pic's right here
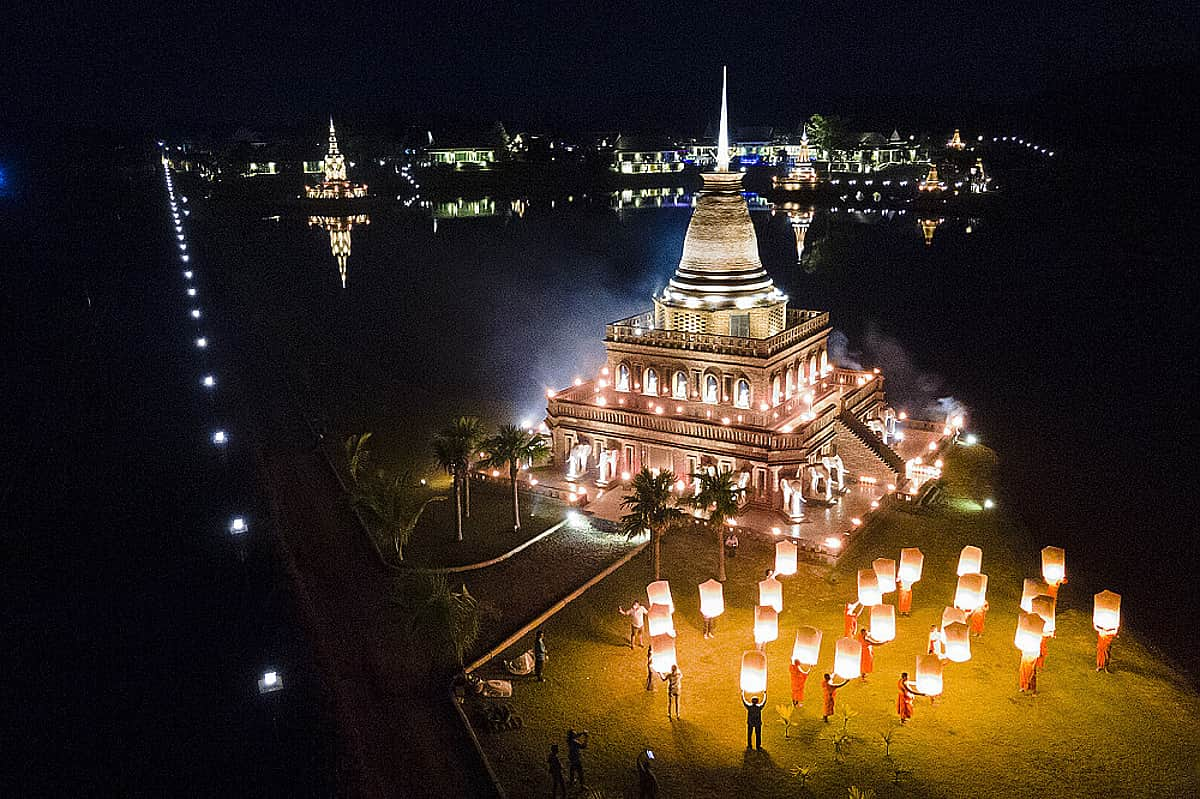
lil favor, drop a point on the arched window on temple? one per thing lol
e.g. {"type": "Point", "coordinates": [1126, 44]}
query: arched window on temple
{"type": "Point", "coordinates": [650, 382]}
{"type": "Point", "coordinates": [679, 385]}
{"type": "Point", "coordinates": [824, 361]}
{"type": "Point", "coordinates": [711, 389]}
{"type": "Point", "coordinates": [741, 393]}
{"type": "Point", "coordinates": [776, 391]}
{"type": "Point", "coordinates": [622, 378]}
{"type": "Point", "coordinates": [789, 385]}
{"type": "Point", "coordinates": [813, 372]}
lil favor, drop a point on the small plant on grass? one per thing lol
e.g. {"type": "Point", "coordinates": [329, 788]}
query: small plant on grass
{"type": "Point", "coordinates": [840, 736]}
{"type": "Point", "coordinates": [786, 718]}
{"type": "Point", "coordinates": [802, 773]}
{"type": "Point", "coordinates": [357, 455]}
{"type": "Point", "coordinates": [861, 793]}
{"type": "Point", "coordinates": [887, 741]}
{"type": "Point", "coordinates": [897, 772]}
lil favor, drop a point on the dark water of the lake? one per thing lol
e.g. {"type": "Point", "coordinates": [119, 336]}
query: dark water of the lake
{"type": "Point", "coordinates": [1057, 319]}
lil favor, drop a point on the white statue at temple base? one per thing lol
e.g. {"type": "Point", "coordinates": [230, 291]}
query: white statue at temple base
{"type": "Point", "coordinates": [793, 498]}
{"type": "Point", "coordinates": [837, 472]}
{"type": "Point", "coordinates": [817, 484]}
{"type": "Point", "coordinates": [577, 461]}
{"type": "Point", "coordinates": [608, 467]}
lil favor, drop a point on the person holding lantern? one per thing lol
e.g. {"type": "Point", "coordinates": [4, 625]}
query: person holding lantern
{"type": "Point", "coordinates": [866, 653]}
{"type": "Point", "coordinates": [1027, 677]}
{"type": "Point", "coordinates": [850, 620]}
{"type": "Point", "coordinates": [906, 690]}
{"type": "Point", "coordinates": [1104, 642]}
{"type": "Point", "coordinates": [903, 599]}
{"type": "Point", "coordinates": [977, 618]}
{"type": "Point", "coordinates": [1041, 658]}
{"type": "Point", "coordinates": [799, 678]}
{"type": "Point", "coordinates": [673, 680]}
{"type": "Point", "coordinates": [754, 720]}
{"type": "Point", "coordinates": [937, 642]}
{"type": "Point", "coordinates": [829, 689]}
{"type": "Point", "coordinates": [637, 622]}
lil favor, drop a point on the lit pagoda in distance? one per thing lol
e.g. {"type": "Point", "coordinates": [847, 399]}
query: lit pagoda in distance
{"type": "Point", "coordinates": [336, 185]}
{"type": "Point", "coordinates": [956, 142]}
{"type": "Point", "coordinates": [931, 182]}
{"type": "Point", "coordinates": [803, 175]}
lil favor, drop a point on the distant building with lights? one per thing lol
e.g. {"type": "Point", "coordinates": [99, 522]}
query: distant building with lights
{"type": "Point", "coordinates": [932, 183]}
{"type": "Point", "coordinates": [956, 142]}
{"type": "Point", "coordinates": [462, 158]}
{"type": "Point", "coordinates": [801, 176]}
{"type": "Point", "coordinates": [722, 374]}
{"type": "Point", "coordinates": [336, 185]}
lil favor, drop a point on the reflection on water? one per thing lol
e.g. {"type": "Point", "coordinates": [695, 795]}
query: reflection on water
{"type": "Point", "coordinates": [929, 225]}
{"type": "Point", "coordinates": [800, 220]}
{"type": "Point", "coordinates": [339, 228]}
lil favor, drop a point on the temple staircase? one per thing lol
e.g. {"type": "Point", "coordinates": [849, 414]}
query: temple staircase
{"type": "Point", "coordinates": [885, 455]}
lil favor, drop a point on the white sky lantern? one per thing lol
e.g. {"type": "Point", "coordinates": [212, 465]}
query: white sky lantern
{"type": "Point", "coordinates": [1043, 606]}
{"type": "Point", "coordinates": [660, 621]}
{"type": "Point", "coordinates": [970, 592]}
{"type": "Point", "coordinates": [912, 562]}
{"type": "Point", "coordinates": [1029, 589]}
{"type": "Point", "coordinates": [885, 573]}
{"type": "Point", "coordinates": [1054, 565]}
{"type": "Point", "coordinates": [1106, 610]}
{"type": "Point", "coordinates": [770, 592]}
{"type": "Point", "coordinates": [712, 599]}
{"type": "Point", "coordinates": [1029, 633]}
{"type": "Point", "coordinates": [766, 624]}
{"type": "Point", "coordinates": [953, 616]}
{"type": "Point", "coordinates": [785, 558]}
{"type": "Point", "coordinates": [883, 623]}
{"type": "Point", "coordinates": [868, 588]}
{"type": "Point", "coordinates": [929, 675]}
{"type": "Point", "coordinates": [754, 672]}
{"type": "Point", "coordinates": [662, 648]}
{"type": "Point", "coordinates": [958, 642]}
{"type": "Point", "coordinates": [970, 561]}
{"type": "Point", "coordinates": [847, 658]}
{"type": "Point", "coordinates": [660, 594]}
{"type": "Point", "coordinates": [807, 648]}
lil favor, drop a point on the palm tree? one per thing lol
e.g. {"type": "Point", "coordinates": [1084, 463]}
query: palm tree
{"type": "Point", "coordinates": [720, 496]}
{"type": "Point", "coordinates": [471, 431]}
{"type": "Point", "coordinates": [396, 506]}
{"type": "Point", "coordinates": [652, 507]}
{"type": "Point", "coordinates": [357, 455]}
{"type": "Point", "coordinates": [445, 620]}
{"type": "Point", "coordinates": [453, 454]}
{"type": "Point", "coordinates": [509, 447]}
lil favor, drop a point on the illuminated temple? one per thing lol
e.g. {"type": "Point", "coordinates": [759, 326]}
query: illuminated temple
{"type": "Point", "coordinates": [803, 175]}
{"type": "Point", "coordinates": [336, 185]}
{"type": "Point", "coordinates": [722, 374]}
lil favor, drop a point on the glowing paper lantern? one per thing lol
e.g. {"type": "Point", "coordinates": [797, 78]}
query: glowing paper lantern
{"type": "Point", "coordinates": [766, 624]}
{"type": "Point", "coordinates": [1029, 589]}
{"type": "Point", "coordinates": [868, 588]}
{"type": "Point", "coordinates": [808, 646]}
{"type": "Point", "coordinates": [1029, 633]}
{"type": "Point", "coordinates": [785, 558]}
{"type": "Point", "coordinates": [754, 672]}
{"type": "Point", "coordinates": [971, 591]}
{"type": "Point", "coordinates": [1054, 565]}
{"type": "Point", "coordinates": [883, 623]}
{"type": "Point", "coordinates": [847, 658]}
{"type": "Point", "coordinates": [958, 642]}
{"type": "Point", "coordinates": [712, 599]}
{"type": "Point", "coordinates": [660, 621]}
{"type": "Point", "coordinates": [662, 649]}
{"type": "Point", "coordinates": [1043, 607]}
{"type": "Point", "coordinates": [953, 616]}
{"type": "Point", "coordinates": [885, 574]}
{"type": "Point", "coordinates": [770, 592]}
{"type": "Point", "coordinates": [970, 561]}
{"type": "Point", "coordinates": [929, 675]}
{"type": "Point", "coordinates": [660, 594]}
{"type": "Point", "coordinates": [1106, 610]}
{"type": "Point", "coordinates": [912, 562]}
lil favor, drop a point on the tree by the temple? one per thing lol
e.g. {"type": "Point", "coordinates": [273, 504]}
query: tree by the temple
{"type": "Point", "coordinates": [719, 496]}
{"type": "Point", "coordinates": [510, 447]}
{"type": "Point", "coordinates": [828, 132]}
{"type": "Point", "coordinates": [395, 505]}
{"type": "Point", "coordinates": [453, 455]}
{"type": "Point", "coordinates": [652, 506]}
{"type": "Point", "coordinates": [470, 431]}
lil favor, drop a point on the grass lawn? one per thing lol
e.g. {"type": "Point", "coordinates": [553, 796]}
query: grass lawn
{"type": "Point", "coordinates": [1129, 733]}
{"type": "Point", "coordinates": [486, 534]}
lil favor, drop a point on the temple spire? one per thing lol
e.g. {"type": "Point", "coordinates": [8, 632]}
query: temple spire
{"type": "Point", "coordinates": [723, 136]}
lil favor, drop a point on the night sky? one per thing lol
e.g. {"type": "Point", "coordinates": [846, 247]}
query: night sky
{"type": "Point", "coordinates": [592, 65]}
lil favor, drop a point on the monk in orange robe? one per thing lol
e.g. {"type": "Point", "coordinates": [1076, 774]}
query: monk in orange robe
{"type": "Point", "coordinates": [904, 698]}
{"type": "Point", "coordinates": [1041, 658]}
{"type": "Point", "coordinates": [1104, 642]}
{"type": "Point", "coordinates": [1027, 679]}
{"type": "Point", "coordinates": [829, 690]}
{"type": "Point", "coordinates": [977, 618]}
{"type": "Point", "coordinates": [799, 678]}
{"type": "Point", "coordinates": [850, 621]}
{"type": "Point", "coordinates": [903, 599]}
{"type": "Point", "coordinates": [866, 658]}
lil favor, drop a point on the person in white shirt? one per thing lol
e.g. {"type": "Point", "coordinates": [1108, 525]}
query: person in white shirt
{"type": "Point", "coordinates": [637, 623]}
